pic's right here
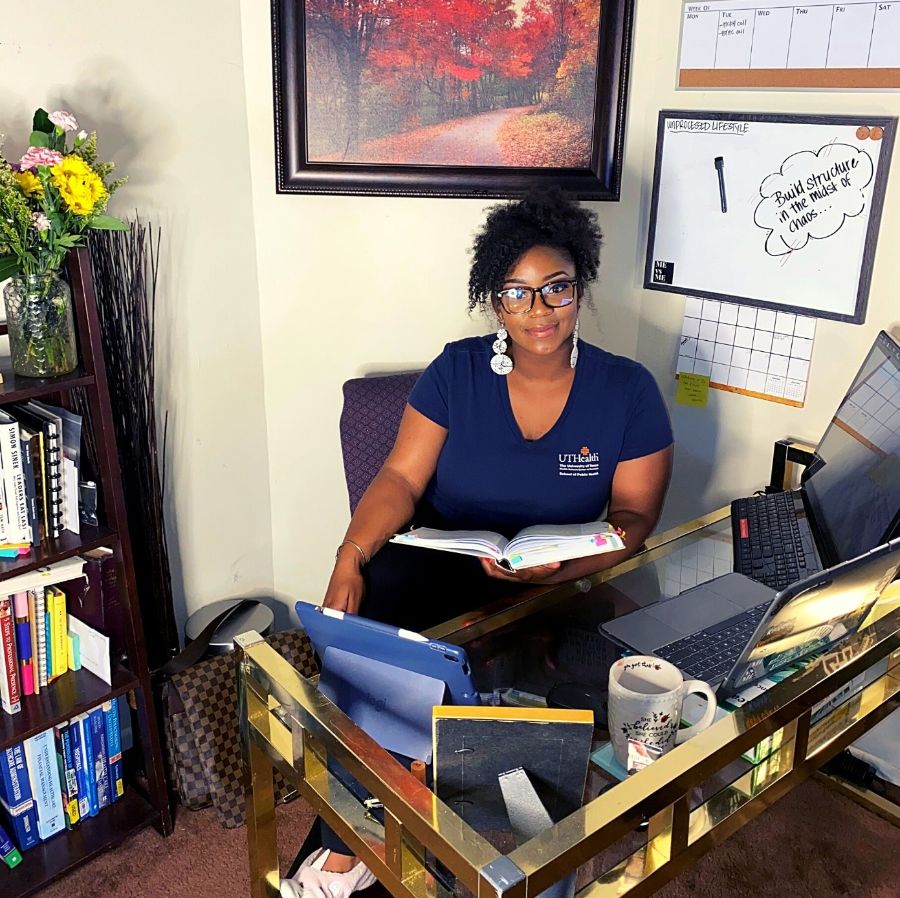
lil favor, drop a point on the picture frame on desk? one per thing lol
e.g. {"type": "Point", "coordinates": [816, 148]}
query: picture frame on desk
{"type": "Point", "coordinates": [405, 100]}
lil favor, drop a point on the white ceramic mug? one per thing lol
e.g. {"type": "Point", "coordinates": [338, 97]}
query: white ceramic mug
{"type": "Point", "coordinates": [645, 699]}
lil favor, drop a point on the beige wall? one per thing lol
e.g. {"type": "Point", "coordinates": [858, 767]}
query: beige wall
{"type": "Point", "coordinates": [389, 276]}
{"type": "Point", "coordinates": [165, 92]}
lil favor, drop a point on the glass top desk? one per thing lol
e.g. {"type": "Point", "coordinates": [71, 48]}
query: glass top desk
{"type": "Point", "coordinates": [628, 838]}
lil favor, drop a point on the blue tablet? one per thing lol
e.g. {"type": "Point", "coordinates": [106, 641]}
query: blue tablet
{"type": "Point", "coordinates": [328, 629]}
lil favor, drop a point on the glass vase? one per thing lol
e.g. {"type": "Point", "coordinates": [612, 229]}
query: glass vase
{"type": "Point", "coordinates": [41, 326]}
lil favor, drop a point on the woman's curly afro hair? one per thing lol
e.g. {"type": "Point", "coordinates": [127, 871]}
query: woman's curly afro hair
{"type": "Point", "coordinates": [544, 217]}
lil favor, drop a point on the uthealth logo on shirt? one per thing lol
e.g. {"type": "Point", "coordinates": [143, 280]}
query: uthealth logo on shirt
{"type": "Point", "coordinates": [582, 463]}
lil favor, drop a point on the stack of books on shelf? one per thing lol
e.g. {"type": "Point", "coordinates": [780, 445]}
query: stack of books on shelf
{"type": "Point", "coordinates": [39, 461]}
{"type": "Point", "coordinates": [39, 641]}
{"type": "Point", "coordinates": [50, 483]}
{"type": "Point", "coordinates": [58, 778]}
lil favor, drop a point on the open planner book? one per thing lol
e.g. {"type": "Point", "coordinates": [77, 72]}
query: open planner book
{"type": "Point", "coordinates": [541, 544]}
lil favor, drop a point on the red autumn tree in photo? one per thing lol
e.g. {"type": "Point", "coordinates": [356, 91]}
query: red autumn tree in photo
{"type": "Point", "coordinates": [451, 82]}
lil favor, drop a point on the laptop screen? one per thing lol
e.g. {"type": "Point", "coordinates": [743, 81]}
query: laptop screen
{"type": "Point", "coordinates": [853, 486]}
{"type": "Point", "coordinates": [813, 614]}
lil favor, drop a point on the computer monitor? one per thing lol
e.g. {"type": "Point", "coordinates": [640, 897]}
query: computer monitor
{"type": "Point", "coordinates": [853, 484]}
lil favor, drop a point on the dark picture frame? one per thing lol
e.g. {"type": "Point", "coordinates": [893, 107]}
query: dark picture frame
{"type": "Point", "coordinates": [600, 179]}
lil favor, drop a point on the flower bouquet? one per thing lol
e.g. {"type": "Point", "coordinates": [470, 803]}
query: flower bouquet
{"type": "Point", "coordinates": [49, 199]}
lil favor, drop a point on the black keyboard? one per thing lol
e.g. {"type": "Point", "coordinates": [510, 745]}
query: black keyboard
{"type": "Point", "coordinates": [767, 542]}
{"type": "Point", "coordinates": [709, 654]}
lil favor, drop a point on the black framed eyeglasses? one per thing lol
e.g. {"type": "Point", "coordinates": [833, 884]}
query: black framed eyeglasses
{"type": "Point", "coordinates": [554, 295]}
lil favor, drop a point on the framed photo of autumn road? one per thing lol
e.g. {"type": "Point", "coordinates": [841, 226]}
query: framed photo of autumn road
{"type": "Point", "coordinates": [469, 98]}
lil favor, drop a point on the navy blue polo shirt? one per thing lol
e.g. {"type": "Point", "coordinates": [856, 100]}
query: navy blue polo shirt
{"type": "Point", "coordinates": [490, 477]}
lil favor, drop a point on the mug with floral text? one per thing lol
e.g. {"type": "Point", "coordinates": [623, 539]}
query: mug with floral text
{"type": "Point", "coordinates": [645, 699]}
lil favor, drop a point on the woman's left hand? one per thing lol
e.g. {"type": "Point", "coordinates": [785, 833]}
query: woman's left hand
{"type": "Point", "coordinates": [540, 573]}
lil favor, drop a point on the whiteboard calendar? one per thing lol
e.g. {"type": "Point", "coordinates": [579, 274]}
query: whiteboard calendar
{"type": "Point", "coordinates": [777, 211]}
{"type": "Point", "coordinates": [779, 43]}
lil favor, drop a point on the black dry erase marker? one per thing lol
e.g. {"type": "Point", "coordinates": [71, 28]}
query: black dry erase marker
{"type": "Point", "coordinates": [720, 169]}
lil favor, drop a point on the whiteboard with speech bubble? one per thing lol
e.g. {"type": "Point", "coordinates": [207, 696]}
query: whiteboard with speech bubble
{"type": "Point", "coordinates": [776, 211]}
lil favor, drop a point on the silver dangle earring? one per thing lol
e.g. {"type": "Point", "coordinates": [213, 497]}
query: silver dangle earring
{"type": "Point", "coordinates": [573, 358]}
{"type": "Point", "coordinates": [501, 363]}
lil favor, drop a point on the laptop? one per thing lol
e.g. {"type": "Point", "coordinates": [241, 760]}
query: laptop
{"type": "Point", "coordinates": [849, 496]}
{"type": "Point", "coordinates": [386, 679]}
{"type": "Point", "coordinates": [757, 639]}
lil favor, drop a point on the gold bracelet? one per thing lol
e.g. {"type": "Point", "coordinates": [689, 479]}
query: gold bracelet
{"type": "Point", "coordinates": [349, 542]}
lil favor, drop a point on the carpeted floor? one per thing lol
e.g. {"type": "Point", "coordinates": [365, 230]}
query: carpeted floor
{"type": "Point", "coordinates": [811, 844]}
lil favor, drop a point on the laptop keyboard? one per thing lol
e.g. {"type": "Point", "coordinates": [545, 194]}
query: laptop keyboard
{"type": "Point", "coordinates": [710, 653]}
{"type": "Point", "coordinates": [768, 546]}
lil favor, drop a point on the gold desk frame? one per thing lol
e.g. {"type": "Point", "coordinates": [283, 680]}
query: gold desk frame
{"type": "Point", "coordinates": [288, 725]}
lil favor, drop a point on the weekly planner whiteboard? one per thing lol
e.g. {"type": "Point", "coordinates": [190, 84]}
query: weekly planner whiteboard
{"type": "Point", "coordinates": [777, 211]}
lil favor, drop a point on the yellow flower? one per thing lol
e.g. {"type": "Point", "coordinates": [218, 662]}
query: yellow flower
{"type": "Point", "coordinates": [31, 185]}
{"type": "Point", "coordinates": [78, 185]}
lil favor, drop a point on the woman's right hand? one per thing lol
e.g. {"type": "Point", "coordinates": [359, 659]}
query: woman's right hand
{"type": "Point", "coordinates": [346, 586]}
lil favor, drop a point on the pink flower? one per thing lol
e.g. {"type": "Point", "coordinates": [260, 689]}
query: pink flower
{"type": "Point", "coordinates": [64, 119]}
{"type": "Point", "coordinates": [36, 156]}
{"type": "Point", "coordinates": [41, 222]}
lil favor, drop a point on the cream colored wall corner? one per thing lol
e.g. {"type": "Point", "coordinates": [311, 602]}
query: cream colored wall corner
{"type": "Point", "coordinates": [353, 285]}
{"type": "Point", "coordinates": [165, 92]}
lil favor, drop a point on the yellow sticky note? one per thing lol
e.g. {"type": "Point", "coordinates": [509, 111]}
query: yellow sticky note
{"type": "Point", "coordinates": [693, 389]}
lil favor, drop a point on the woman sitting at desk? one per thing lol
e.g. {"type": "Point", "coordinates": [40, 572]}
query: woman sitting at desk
{"type": "Point", "coordinates": [488, 440]}
{"type": "Point", "coordinates": [489, 434]}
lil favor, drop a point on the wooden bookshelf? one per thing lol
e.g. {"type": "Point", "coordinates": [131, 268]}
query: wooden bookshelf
{"type": "Point", "coordinates": [69, 849]}
{"type": "Point", "coordinates": [146, 801]}
{"type": "Point", "coordinates": [52, 550]}
{"type": "Point", "coordinates": [20, 389]}
{"type": "Point", "coordinates": [73, 693]}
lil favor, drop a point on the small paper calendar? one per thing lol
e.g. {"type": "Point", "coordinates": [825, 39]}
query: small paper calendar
{"type": "Point", "coordinates": [742, 349]}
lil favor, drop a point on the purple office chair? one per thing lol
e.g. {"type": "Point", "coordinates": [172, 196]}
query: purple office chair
{"type": "Point", "coordinates": [370, 419]}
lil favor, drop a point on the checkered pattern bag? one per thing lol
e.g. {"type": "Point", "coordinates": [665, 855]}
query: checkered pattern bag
{"type": "Point", "coordinates": [203, 740]}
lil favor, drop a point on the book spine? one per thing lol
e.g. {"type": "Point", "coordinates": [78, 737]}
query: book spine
{"type": "Point", "coordinates": [15, 796]}
{"type": "Point", "coordinates": [79, 762]}
{"type": "Point", "coordinates": [125, 728]}
{"type": "Point", "coordinates": [67, 780]}
{"type": "Point", "coordinates": [114, 750]}
{"type": "Point", "coordinates": [4, 514]}
{"type": "Point", "coordinates": [41, 627]}
{"type": "Point", "coordinates": [9, 516]}
{"type": "Point", "coordinates": [112, 606]}
{"type": "Point", "coordinates": [52, 636]}
{"type": "Point", "coordinates": [13, 482]}
{"type": "Point", "coordinates": [19, 489]}
{"type": "Point", "coordinates": [74, 651]}
{"type": "Point", "coordinates": [53, 454]}
{"type": "Point", "coordinates": [9, 854]}
{"type": "Point", "coordinates": [45, 787]}
{"type": "Point", "coordinates": [38, 457]}
{"type": "Point", "coordinates": [87, 744]}
{"type": "Point", "coordinates": [10, 690]}
{"type": "Point", "coordinates": [48, 640]}
{"type": "Point", "coordinates": [60, 631]}
{"type": "Point", "coordinates": [35, 663]}
{"type": "Point", "coordinates": [31, 500]}
{"type": "Point", "coordinates": [101, 756]}
{"type": "Point", "coordinates": [23, 642]}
